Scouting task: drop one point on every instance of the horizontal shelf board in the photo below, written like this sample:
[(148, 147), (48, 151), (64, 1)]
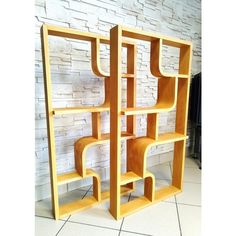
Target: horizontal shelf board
[(144, 110), (127, 75), (73, 176), (133, 206), (144, 142), (183, 76), (170, 137), (165, 193), (90, 140), (71, 110), (129, 177), (123, 191), (76, 206)]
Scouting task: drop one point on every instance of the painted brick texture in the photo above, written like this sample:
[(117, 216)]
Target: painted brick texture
[(74, 84)]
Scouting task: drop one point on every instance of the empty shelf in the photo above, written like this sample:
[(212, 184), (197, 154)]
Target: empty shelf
[(129, 177), (73, 176), (143, 142), (133, 206), (76, 206), (71, 110), (165, 193)]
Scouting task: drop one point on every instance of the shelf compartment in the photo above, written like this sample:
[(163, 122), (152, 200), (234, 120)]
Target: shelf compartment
[(141, 145), (134, 206), (76, 206), (142, 202), (166, 192), (128, 178), (73, 176), (71, 110)]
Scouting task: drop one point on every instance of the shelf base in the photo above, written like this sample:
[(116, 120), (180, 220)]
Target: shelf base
[(83, 204), (141, 202)]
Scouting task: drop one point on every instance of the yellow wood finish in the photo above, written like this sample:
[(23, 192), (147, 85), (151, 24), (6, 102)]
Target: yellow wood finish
[(84, 143), (173, 91), (50, 126)]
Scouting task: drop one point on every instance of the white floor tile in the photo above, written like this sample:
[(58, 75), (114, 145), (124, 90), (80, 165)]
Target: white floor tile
[(190, 162), (192, 175), (47, 227), (190, 220), (191, 194), (75, 229), (44, 207), (123, 233), (159, 219), (161, 171), (98, 215)]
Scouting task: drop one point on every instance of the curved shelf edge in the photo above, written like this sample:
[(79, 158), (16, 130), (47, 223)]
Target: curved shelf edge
[(81, 146), (141, 145)]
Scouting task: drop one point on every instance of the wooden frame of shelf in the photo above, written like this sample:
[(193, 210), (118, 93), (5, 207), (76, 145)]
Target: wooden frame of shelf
[(97, 137), (173, 91)]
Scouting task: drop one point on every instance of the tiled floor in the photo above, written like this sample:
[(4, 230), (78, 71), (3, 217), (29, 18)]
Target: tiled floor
[(176, 216)]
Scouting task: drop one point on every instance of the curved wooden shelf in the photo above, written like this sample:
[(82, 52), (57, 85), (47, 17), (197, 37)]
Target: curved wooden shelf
[(141, 145), (167, 98), (84, 143)]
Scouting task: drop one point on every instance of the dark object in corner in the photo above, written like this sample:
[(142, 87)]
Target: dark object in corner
[(195, 115)]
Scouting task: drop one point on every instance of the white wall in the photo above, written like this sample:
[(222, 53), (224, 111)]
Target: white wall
[(74, 84)]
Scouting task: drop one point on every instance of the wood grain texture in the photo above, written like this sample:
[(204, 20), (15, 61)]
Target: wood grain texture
[(84, 143), (50, 123), (173, 91)]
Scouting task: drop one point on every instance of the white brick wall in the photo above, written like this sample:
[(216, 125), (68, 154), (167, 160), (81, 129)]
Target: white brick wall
[(74, 84)]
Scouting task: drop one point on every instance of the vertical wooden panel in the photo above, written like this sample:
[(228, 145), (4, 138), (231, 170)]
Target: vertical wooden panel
[(97, 188), (182, 115), (115, 120), (96, 125), (152, 125), (178, 164), (49, 113)]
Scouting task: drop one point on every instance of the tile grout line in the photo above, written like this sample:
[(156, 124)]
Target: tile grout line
[(178, 216), (177, 211), (123, 218), (62, 226), (127, 231), (70, 215)]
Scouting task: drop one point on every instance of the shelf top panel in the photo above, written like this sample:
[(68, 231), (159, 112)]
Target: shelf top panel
[(149, 36), (80, 35)]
